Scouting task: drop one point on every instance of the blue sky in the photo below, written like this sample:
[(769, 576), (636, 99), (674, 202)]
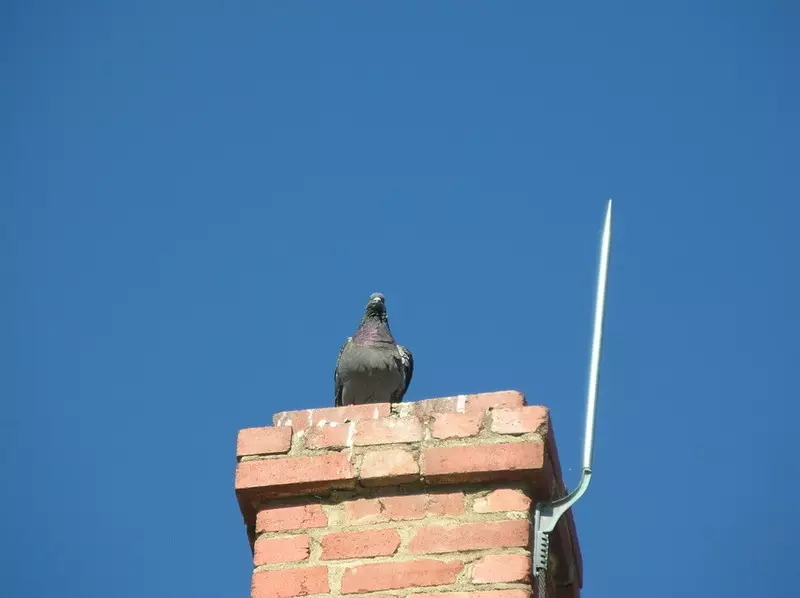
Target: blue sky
[(198, 198)]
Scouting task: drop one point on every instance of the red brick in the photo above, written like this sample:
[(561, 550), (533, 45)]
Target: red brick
[(280, 550), (263, 441), (439, 505), (484, 594), (351, 545), (476, 403), (502, 568), (392, 466), (280, 519), (456, 425), (300, 420), (390, 576), (520, 421), (365, 511), (403, 508), (504, 499), (494, 400), (292, 471), (388, 430), (287, 583), (471, 536), (483, 462), (328, 435)]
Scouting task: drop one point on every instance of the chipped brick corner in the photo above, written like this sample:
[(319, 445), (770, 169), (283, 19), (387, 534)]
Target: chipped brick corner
[(431, 499)]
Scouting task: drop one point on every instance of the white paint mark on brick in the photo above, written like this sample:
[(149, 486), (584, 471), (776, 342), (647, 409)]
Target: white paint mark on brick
[(461, 403), (375, 413), (310, 417), (351, 432), (406, 409)]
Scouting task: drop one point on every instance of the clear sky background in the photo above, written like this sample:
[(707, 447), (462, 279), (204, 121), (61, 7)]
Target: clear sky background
[(198, 198)]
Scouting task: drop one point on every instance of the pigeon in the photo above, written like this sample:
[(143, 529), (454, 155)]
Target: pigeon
[(372, 367)]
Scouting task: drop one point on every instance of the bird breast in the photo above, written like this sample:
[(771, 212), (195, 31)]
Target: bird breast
[(365, 360)]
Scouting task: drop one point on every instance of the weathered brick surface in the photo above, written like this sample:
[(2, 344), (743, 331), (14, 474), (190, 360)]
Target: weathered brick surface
[(480, 594), (281, 550), (404, 508), (389, 466), (263, 441), (391, 576), (502, 568), (351, 545), (329, 435), (387, 430), (300, 420), (471, 536), (281, 519), (293, 471), (495, 400), (456, 425), (465, 463), (477, 403), (287, 583), (502, 499), (519, 421)]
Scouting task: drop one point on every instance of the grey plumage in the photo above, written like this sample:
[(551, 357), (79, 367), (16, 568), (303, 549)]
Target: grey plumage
[(371, 366)]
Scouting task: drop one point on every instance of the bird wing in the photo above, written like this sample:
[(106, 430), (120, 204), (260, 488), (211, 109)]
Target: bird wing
[(337, 381), (407, 365)]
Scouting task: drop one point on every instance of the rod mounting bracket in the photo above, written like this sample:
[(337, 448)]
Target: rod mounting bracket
[(546, 516)]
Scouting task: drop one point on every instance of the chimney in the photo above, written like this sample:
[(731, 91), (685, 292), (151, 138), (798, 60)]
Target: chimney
[(432, 499)]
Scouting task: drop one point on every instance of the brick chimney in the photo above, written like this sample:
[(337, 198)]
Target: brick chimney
[(431, 499)]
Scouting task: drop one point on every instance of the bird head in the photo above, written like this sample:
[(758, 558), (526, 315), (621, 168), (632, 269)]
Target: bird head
[(376, 306)]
